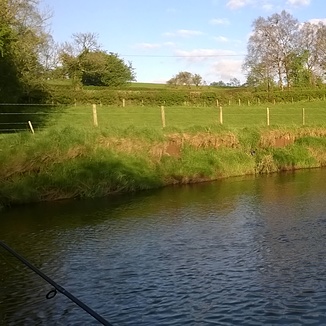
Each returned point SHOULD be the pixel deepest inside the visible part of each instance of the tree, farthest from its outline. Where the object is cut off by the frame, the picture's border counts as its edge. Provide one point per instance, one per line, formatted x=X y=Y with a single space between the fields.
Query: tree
x=218 y=84
x=234 y=82
x=86 y=42
x=272 y=41
x=321 y=46
x=22 y=35
x=86 y=64
x=102 y=69
x=197 y=79
x=185 y=78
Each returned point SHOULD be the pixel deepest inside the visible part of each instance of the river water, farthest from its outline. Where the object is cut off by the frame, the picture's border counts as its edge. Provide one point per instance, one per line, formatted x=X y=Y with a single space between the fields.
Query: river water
x=240 y=251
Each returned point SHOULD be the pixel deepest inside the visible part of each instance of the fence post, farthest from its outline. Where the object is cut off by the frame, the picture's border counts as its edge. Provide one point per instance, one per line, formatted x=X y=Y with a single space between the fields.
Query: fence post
x=221 y=115
x=303 y=117
x=123 y=103
x=217 y=102
x=31 y=127
x=239 y=102
x=95 y=115
x=267 y=116
x=163 y=116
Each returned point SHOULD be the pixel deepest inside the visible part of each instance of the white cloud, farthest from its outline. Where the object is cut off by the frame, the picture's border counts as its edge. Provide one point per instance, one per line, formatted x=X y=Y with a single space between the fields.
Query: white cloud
x=188 y=32
x=221 y=39
x=183 y=33
x=236 y=4
x=219 y=21
x=170 y=44
x=147 y=46
x=153 y=46
x=198 y=55
x=298 y=2
x=226 y=69
x=266 y=5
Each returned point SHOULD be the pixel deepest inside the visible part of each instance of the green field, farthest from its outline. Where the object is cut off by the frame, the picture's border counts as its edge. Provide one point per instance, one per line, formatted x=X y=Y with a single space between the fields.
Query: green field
x=184 y=118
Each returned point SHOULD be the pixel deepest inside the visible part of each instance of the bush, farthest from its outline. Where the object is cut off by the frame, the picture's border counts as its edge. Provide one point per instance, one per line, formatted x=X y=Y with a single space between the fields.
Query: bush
x=65 y=94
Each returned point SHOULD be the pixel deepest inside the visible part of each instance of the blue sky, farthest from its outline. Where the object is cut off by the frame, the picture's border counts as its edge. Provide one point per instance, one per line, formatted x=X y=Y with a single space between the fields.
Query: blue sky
x=164 y=37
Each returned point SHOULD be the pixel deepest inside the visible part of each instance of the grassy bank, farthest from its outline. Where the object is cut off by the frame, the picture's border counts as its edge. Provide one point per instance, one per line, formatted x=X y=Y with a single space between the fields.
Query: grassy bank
x=70 y=161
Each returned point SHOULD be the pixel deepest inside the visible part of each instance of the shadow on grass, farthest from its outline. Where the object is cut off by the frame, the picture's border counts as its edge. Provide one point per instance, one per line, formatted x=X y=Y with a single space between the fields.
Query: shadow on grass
x=14 y=118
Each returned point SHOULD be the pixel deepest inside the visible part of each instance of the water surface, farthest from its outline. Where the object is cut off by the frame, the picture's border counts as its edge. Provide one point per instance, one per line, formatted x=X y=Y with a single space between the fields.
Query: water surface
x=241 y=251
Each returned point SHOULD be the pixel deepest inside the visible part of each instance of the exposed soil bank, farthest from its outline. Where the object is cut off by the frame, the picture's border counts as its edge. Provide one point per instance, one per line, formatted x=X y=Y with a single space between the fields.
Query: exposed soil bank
x=61 y=164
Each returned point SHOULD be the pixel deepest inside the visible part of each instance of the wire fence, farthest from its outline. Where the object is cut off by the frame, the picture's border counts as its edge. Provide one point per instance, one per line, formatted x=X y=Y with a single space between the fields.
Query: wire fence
x=37 y=117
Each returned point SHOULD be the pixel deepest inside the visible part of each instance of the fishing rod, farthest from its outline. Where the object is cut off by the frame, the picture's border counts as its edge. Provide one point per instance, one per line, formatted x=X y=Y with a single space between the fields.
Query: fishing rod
x=56 y=286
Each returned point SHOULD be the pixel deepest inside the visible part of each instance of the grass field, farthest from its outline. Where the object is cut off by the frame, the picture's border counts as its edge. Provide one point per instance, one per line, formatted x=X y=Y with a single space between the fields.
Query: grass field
x=185 y=118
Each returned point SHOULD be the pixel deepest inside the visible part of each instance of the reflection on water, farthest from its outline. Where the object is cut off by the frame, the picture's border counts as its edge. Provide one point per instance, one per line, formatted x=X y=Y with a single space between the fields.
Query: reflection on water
x=246 y=251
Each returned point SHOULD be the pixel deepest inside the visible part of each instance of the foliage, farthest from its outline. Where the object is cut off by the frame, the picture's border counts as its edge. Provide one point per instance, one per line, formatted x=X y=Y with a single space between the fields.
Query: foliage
x=234 y=82
x=169 y=96
x=185 y=78
x=84 y=63
x=22 y=36
x=283 y=51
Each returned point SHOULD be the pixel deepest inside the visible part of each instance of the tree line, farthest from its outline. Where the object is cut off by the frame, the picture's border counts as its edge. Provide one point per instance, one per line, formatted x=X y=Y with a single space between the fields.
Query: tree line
x=281 y=53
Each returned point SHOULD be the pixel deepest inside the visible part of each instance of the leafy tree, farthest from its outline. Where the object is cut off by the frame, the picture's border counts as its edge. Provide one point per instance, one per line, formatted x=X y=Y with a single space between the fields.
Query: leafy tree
x=218 y=84
x=321 y=46
x=234 y=82
x=270 y=44
x=22 y=35
x=197 y=79
x=102 y=69
x=281 y=50
x=185 y=78
x=86 y=64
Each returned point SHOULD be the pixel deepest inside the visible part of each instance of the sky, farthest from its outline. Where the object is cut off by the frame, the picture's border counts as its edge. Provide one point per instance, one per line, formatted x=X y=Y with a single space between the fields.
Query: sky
x=163 y=37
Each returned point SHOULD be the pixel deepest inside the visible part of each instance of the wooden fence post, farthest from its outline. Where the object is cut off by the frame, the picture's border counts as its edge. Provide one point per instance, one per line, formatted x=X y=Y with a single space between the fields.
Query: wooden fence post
x=123 y=103
x=163 y=116
x=267 y=116
x=95 y=115
x=31 y=127
x=221 y=115
x=239 y=102
x=303 y=117
x=217 y=102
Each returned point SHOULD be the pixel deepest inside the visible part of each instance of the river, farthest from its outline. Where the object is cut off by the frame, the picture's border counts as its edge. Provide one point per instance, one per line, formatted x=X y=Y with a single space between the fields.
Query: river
x=239 y=251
